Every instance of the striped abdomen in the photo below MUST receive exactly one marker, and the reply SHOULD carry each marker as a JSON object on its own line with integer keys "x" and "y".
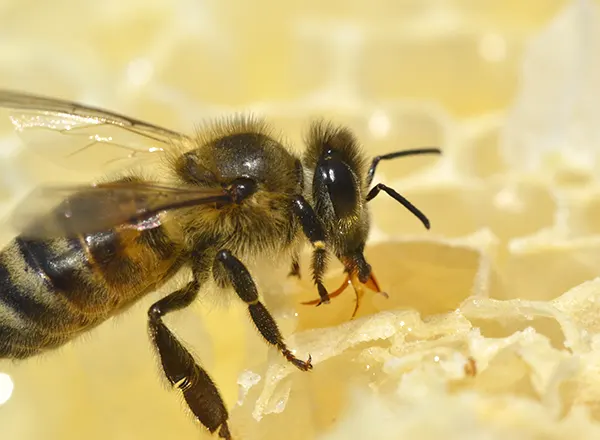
{"x": 52, "y": 290}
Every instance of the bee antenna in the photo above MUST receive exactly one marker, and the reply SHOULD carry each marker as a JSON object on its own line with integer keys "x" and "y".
{"x": 415, "y": 152}
{"x": 400, "y": 199}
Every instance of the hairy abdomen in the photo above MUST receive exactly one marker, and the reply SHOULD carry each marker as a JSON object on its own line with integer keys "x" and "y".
{"x": 53, "y": 290}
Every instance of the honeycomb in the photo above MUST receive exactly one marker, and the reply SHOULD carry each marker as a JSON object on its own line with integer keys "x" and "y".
{"x": 491, "y": 328}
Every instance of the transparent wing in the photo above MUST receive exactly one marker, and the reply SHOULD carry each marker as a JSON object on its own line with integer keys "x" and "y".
{"x": 64, "y": 131}
{"x": 54, "y": 211}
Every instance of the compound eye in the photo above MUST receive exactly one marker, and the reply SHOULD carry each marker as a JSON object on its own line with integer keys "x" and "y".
{"x": 341, "y": 186}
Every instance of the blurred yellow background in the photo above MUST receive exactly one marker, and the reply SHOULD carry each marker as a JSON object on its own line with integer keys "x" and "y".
{"x": 401, "y": 73}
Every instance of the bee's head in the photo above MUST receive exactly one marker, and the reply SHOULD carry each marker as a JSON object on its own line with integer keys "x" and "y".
{"x": 339, "y": 172}
{"x": 341, "y": 177}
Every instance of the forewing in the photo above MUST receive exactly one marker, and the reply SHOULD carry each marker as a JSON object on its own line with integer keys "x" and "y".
{"x": 49, "y": 212}
{"x": 80, "y": 137}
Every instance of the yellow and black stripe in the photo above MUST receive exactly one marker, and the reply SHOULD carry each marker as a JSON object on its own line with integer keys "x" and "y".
{"x": 52, "y": 290}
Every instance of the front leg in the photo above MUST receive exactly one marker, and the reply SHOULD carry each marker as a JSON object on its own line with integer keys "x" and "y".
{"x": 314, "y": 232}
{"x": 180, "y": 368}
{"x": 229, "y": 270}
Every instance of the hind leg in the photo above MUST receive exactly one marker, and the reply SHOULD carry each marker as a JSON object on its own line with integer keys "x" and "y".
{"x": 180, "y": 368}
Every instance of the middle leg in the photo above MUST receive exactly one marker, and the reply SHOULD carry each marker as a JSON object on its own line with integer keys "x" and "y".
{"x": 228, "y": 270}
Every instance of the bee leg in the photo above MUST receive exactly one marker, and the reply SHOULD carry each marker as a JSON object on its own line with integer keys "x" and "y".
{"x": 319, "y": 265}
{"x": 295, "y": 270}
{"x": 181, "y": 370}
{"x": 235, "y": 273}
{"x": 314, "y": 232}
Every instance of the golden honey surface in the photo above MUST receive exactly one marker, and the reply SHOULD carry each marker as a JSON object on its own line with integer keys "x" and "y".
{"x": 492, "y": 325}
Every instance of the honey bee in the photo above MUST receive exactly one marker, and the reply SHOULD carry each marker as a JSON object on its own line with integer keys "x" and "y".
{"x": 84, "y": 253}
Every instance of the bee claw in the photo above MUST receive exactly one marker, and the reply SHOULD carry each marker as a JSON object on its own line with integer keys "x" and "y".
{"x": 305, "y": 365}
{"x": 323, "y": 294}
{"x": 224, "y": 432}
{"x": 326, "y": 301}
{"x": 298, "y": 363}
